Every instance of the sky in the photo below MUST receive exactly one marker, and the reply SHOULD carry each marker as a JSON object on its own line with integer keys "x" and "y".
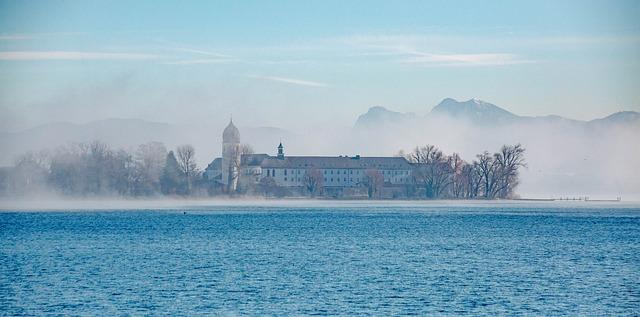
{"x": 302, "y": 64}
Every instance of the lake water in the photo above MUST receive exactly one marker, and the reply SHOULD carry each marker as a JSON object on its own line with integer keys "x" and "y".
{"x": 347, "y": 259}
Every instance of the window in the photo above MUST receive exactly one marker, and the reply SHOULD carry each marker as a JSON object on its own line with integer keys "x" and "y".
{"x": 345, "y": 179}
{"x": 332, "y": 179}
{"x": 273, "y": 172}
{"x": 285, "y": 179}
{"x": 268, "y": 173}
{"x": 351, "y": 172}
{"x": 325, "y": 172}
{"x": 331, "y": 172}
{"x": 285, "y": 173}
{"x": 325, "y": 179}
{"x": 345, "y": 172}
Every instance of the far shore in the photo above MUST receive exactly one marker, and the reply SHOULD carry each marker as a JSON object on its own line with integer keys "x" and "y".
{"x": 59, "y": 204}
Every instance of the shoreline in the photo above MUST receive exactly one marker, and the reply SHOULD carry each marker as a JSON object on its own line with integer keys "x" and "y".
{"x": 49, "y": 204}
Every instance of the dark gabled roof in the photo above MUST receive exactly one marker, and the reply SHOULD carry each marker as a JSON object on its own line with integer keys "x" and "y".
{"x": 322, "y": 162}
{"x": 253, "y": 159}
{"x": 216, "y": 164}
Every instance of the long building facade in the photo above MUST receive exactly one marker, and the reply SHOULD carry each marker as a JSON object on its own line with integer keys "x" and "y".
{"x": 336, "y": 175}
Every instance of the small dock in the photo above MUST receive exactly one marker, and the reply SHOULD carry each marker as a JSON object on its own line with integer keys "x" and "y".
{"x": 579, "y": 198}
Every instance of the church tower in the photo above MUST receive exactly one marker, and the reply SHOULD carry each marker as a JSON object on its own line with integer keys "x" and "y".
{"x": 280, "y": 151}
{"x": 230, "y": 157}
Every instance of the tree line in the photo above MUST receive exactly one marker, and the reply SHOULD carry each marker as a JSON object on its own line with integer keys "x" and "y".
{"x": 488, "y": 176}
{"x": 95, "y": 169}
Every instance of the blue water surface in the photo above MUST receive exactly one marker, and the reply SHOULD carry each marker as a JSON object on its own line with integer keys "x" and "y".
{"x": 346, "y": 260}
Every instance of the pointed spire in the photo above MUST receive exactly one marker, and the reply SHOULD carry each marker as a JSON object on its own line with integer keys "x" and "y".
{"x": 280, "y": 151}
{"x": 231, "y": 133}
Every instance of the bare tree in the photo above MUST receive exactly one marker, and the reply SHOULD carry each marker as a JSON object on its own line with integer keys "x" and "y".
{"x": 508, "y": 160}
{"x": 29, "y": 174}
{"x": 374, "y": 181}
{"x": 425, "y": 154}
{"x": 150, "y": 159}
{"x": 98, "y": 155}
{"x": 186, "y": 162}
{"x": 313, "y": 181}
{"x": 471, "y": 180}
{"x": 457, "y": 164}
{"x": 246, "y": 149}
{"x": 489, "y": 173}
{"x": 432, "y": 169}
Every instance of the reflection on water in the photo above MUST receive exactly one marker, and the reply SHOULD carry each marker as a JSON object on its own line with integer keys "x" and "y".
{"x": 340, "y": 260}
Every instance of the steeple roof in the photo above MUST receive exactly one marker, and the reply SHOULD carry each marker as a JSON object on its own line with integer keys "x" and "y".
{"x": 231, "y": 133}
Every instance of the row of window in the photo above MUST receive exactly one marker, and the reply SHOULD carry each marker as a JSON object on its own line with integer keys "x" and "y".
{"x": 337, "y": 179}
{"x": 272, "y": 172}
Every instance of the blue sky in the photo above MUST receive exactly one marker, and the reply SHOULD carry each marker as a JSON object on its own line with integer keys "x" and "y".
{"x": 296, "y": 63}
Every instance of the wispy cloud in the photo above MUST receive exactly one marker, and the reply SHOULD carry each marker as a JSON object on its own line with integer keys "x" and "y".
{"x": 200, "y": 52}
{"x": 180, "y": 47}
{"x": 71, "y": 55}
{"x": 292, "y": 81}
{"x": 202, "y": 61}
{"x": 494, "y": 59}
{"x": 407, "y": 49}
{"x": 15, "y": 37}
{"x": 33, "y": 36}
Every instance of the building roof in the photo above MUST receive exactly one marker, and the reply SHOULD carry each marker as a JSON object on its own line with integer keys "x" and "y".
{"x": 216, "y": 164}
{"x": 231, "y": 134}
{"x": 323, "y": 162}
{"x": 252, "y": 159}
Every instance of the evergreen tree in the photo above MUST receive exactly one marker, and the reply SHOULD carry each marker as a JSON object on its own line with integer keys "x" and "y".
{"x": 170, "y": 181}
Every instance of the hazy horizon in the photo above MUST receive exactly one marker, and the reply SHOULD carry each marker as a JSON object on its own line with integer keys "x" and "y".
{"x": 277, "y": 63}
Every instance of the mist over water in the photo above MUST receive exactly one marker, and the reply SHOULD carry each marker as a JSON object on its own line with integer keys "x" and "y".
{"x": 564, "y": 157}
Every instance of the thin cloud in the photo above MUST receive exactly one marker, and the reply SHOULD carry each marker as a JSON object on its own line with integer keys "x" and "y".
{"x": 14, "y": 37}
{"x": 283, "y": 62}
{"x": 71, "y": 55}
{"x": 32, "y": 36}
{"x": 406, "y": 50}
{"x": 494, "y": 59}
{"x": 201, "y": 52}
{"x": 202, "y": 61}
{"x": 292, "y": 81}
{"x": 179, "y": 47}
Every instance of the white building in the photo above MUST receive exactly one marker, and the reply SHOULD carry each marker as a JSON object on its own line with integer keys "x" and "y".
{"x": 335, "y": 172}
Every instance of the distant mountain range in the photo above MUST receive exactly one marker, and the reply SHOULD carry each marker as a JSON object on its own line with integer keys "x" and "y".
{"x": 485, "y": 114}
{"x": 392, "y": 130}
